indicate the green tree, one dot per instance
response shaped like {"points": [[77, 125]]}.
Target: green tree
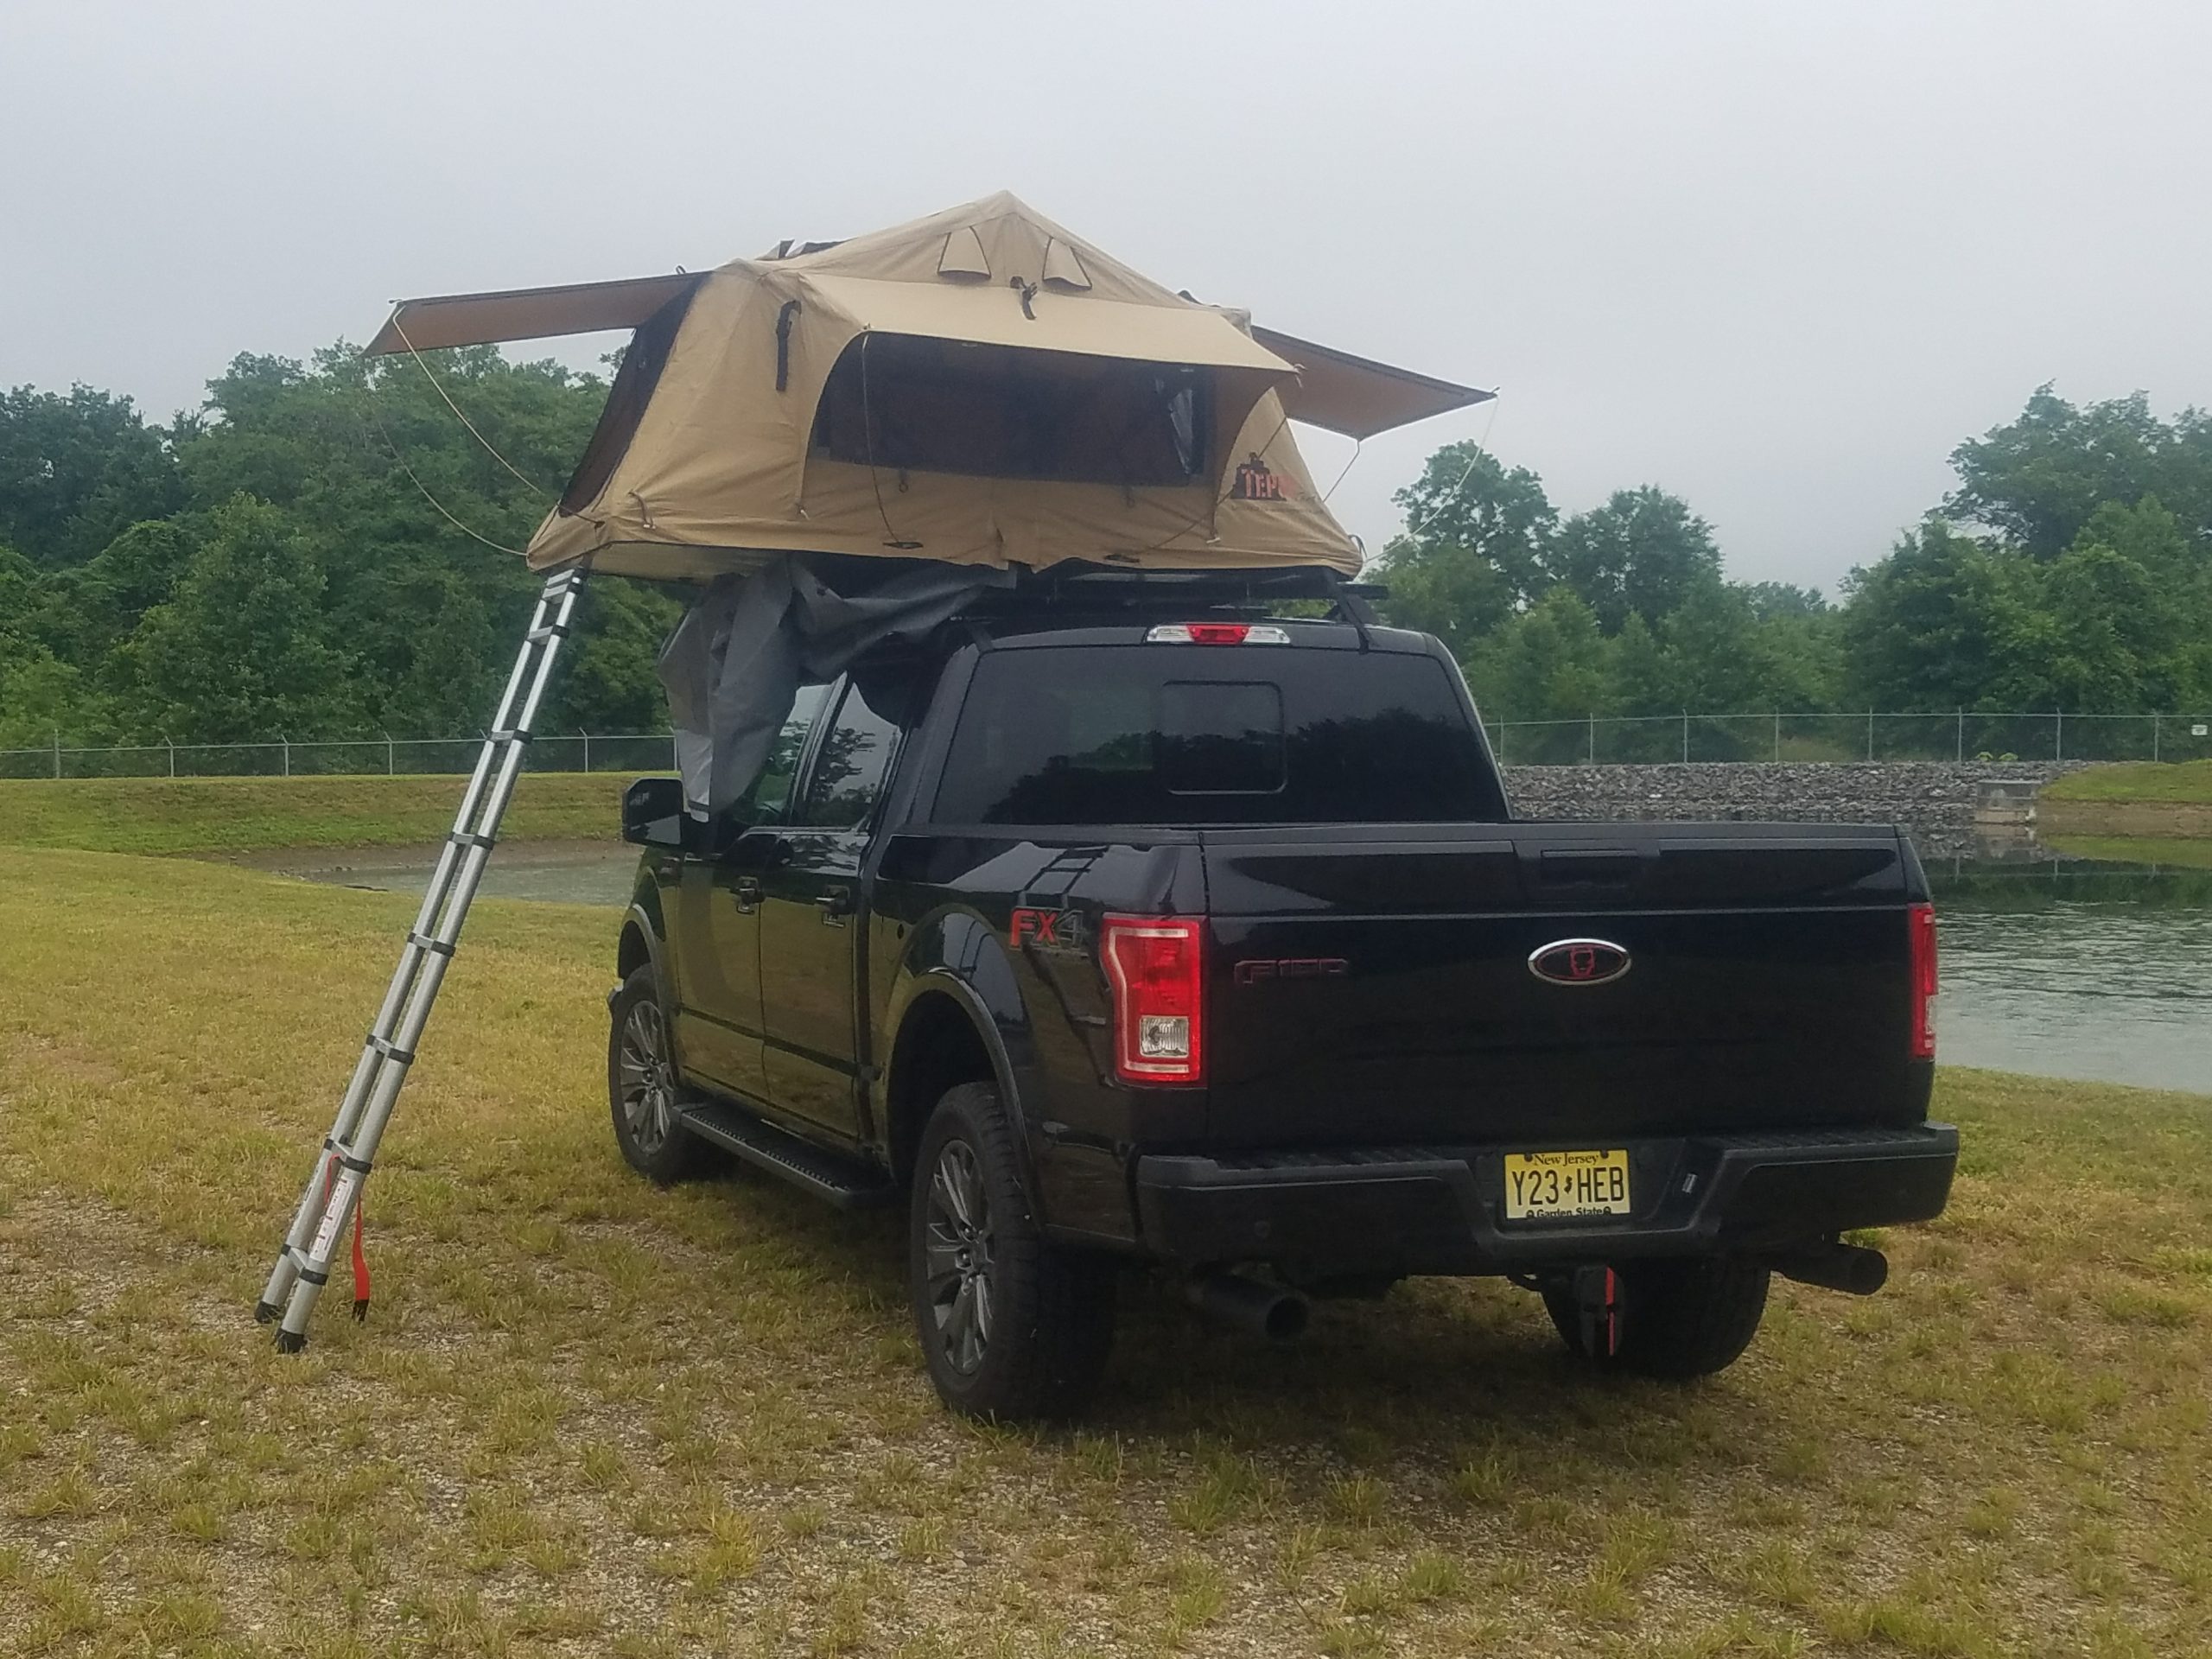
{"points": [[244, 650], [2038, 480], [1642, 553], [1472, 549], [76, 470], [84, 611], [1548, 663], [1918, 631]]}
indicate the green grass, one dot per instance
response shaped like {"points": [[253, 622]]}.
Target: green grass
{"points": [[2179, 783], [2177, 852], [233, 814], [589, 1416]]}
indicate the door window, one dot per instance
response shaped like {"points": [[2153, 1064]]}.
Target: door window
{"points": [[771, 790], [854, 760]]}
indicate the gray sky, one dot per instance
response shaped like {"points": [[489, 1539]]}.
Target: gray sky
{"points": [[1777, 257]]}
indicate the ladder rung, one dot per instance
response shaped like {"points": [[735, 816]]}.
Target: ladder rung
{"points": [[424, 942], [550, 630], [511, 735], [470, 838], [391, 1051]]}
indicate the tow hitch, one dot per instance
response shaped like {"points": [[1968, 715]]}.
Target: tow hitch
{"points": [[1597, 1297]]}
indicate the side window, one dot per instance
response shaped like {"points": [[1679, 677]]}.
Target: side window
{"points": [[771, 790], [854, 760]]}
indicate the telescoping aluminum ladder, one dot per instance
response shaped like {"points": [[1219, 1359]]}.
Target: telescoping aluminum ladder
{"points": [[333, 1189]]}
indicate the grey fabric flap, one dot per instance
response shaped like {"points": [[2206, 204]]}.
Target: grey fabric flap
{"points": [[736, 662]]}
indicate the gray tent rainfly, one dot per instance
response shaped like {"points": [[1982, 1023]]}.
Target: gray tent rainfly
{"points": [[975, 392]]}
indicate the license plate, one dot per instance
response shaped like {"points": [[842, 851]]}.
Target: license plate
{"points": [[1540, 1184]]}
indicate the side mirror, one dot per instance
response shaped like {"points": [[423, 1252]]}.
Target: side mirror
{"points": [[653, 814]]}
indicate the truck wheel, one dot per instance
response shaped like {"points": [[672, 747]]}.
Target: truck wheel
{"points": [[1012, 1327], [641, 1087], [1678, 1318]]}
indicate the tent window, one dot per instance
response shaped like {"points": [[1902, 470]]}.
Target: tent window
{"points": [[998, 411], [642, 362]]}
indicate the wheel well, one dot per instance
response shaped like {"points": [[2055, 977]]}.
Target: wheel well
{"points": [[633, 953], [937, 1049]]}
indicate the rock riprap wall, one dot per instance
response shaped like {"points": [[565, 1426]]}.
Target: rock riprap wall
{"points": [[1930, 796]]}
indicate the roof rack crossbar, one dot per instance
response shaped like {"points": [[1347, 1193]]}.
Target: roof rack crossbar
{"points": [[1092, 588]]}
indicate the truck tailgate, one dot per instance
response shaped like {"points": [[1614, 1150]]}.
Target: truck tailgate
{"points": [[1373, 985]]}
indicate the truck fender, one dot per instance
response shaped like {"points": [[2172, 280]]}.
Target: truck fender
{"points": [[957, 958], [643, 941]]}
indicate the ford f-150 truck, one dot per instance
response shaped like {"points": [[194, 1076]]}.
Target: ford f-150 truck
{"points": [[1142, 923]]}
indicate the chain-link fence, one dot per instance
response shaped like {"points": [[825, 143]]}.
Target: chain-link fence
{"points": [[1601, 740], [631, 752], [1596, 740]]}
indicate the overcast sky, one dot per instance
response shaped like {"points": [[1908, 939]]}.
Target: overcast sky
{"points": [[1777, 257]]}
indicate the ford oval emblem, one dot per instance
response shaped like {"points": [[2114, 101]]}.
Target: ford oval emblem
{"points": [[1579, 962]]}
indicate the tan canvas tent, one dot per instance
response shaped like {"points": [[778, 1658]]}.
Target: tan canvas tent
{"points": [[978, 387]]}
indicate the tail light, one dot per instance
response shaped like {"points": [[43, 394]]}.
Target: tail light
{"points": [[1921, 919], [1153, 964]]}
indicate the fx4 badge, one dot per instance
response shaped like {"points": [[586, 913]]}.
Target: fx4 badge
{"points": [[1054, 929], [1579, 962]]}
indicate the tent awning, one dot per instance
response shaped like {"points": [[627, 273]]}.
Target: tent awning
{"points": [[526, 313], [1048, 321], [1335, 390], [1356, 395]]}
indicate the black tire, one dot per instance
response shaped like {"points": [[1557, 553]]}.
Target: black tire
{"points": [[1013, 1328], [1679, 1318], [641, 1085]]}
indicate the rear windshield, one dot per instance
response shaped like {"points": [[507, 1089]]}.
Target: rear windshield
{"points": [[1196, 734]]}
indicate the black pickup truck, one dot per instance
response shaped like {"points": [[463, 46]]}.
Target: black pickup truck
{"points": [[1145, 925]]}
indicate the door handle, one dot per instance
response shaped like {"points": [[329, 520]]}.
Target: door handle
{"points": [[836, 905], [747, 892]]}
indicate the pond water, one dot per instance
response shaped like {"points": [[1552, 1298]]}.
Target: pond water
{"points": [[2097, 969], [2068, 966]]}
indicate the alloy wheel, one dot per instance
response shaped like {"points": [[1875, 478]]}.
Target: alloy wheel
{"points": [[648, 1081], [958, 1253]]}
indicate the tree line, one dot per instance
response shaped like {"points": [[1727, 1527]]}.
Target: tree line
{"points": [[2070, 569], [319, 553]]}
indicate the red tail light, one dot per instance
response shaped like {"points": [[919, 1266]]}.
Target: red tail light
{"points": [[1921, 919], [1153, 964]]}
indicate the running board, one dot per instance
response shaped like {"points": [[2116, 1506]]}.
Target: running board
{"points": [[846, 1182]]}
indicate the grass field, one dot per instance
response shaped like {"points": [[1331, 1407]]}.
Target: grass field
{"points": [[2178, 783], [590, 1417], [219, 814]]}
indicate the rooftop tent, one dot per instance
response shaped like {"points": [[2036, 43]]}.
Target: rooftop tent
{"points": [[979, 387]]}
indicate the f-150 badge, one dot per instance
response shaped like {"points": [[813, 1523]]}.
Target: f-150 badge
{"points": [[1579, 962]]}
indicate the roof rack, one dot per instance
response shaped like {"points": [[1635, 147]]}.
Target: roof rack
{"points": [[1081, 588]]}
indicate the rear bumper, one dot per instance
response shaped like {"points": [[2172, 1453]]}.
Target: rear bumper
{"points": [[1440, 1210]]}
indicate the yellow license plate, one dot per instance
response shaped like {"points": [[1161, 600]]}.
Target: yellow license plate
{"points": [[1539, 1184]]}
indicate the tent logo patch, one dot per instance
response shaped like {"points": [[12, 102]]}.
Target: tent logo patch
{"points": [[1256, 481]]}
